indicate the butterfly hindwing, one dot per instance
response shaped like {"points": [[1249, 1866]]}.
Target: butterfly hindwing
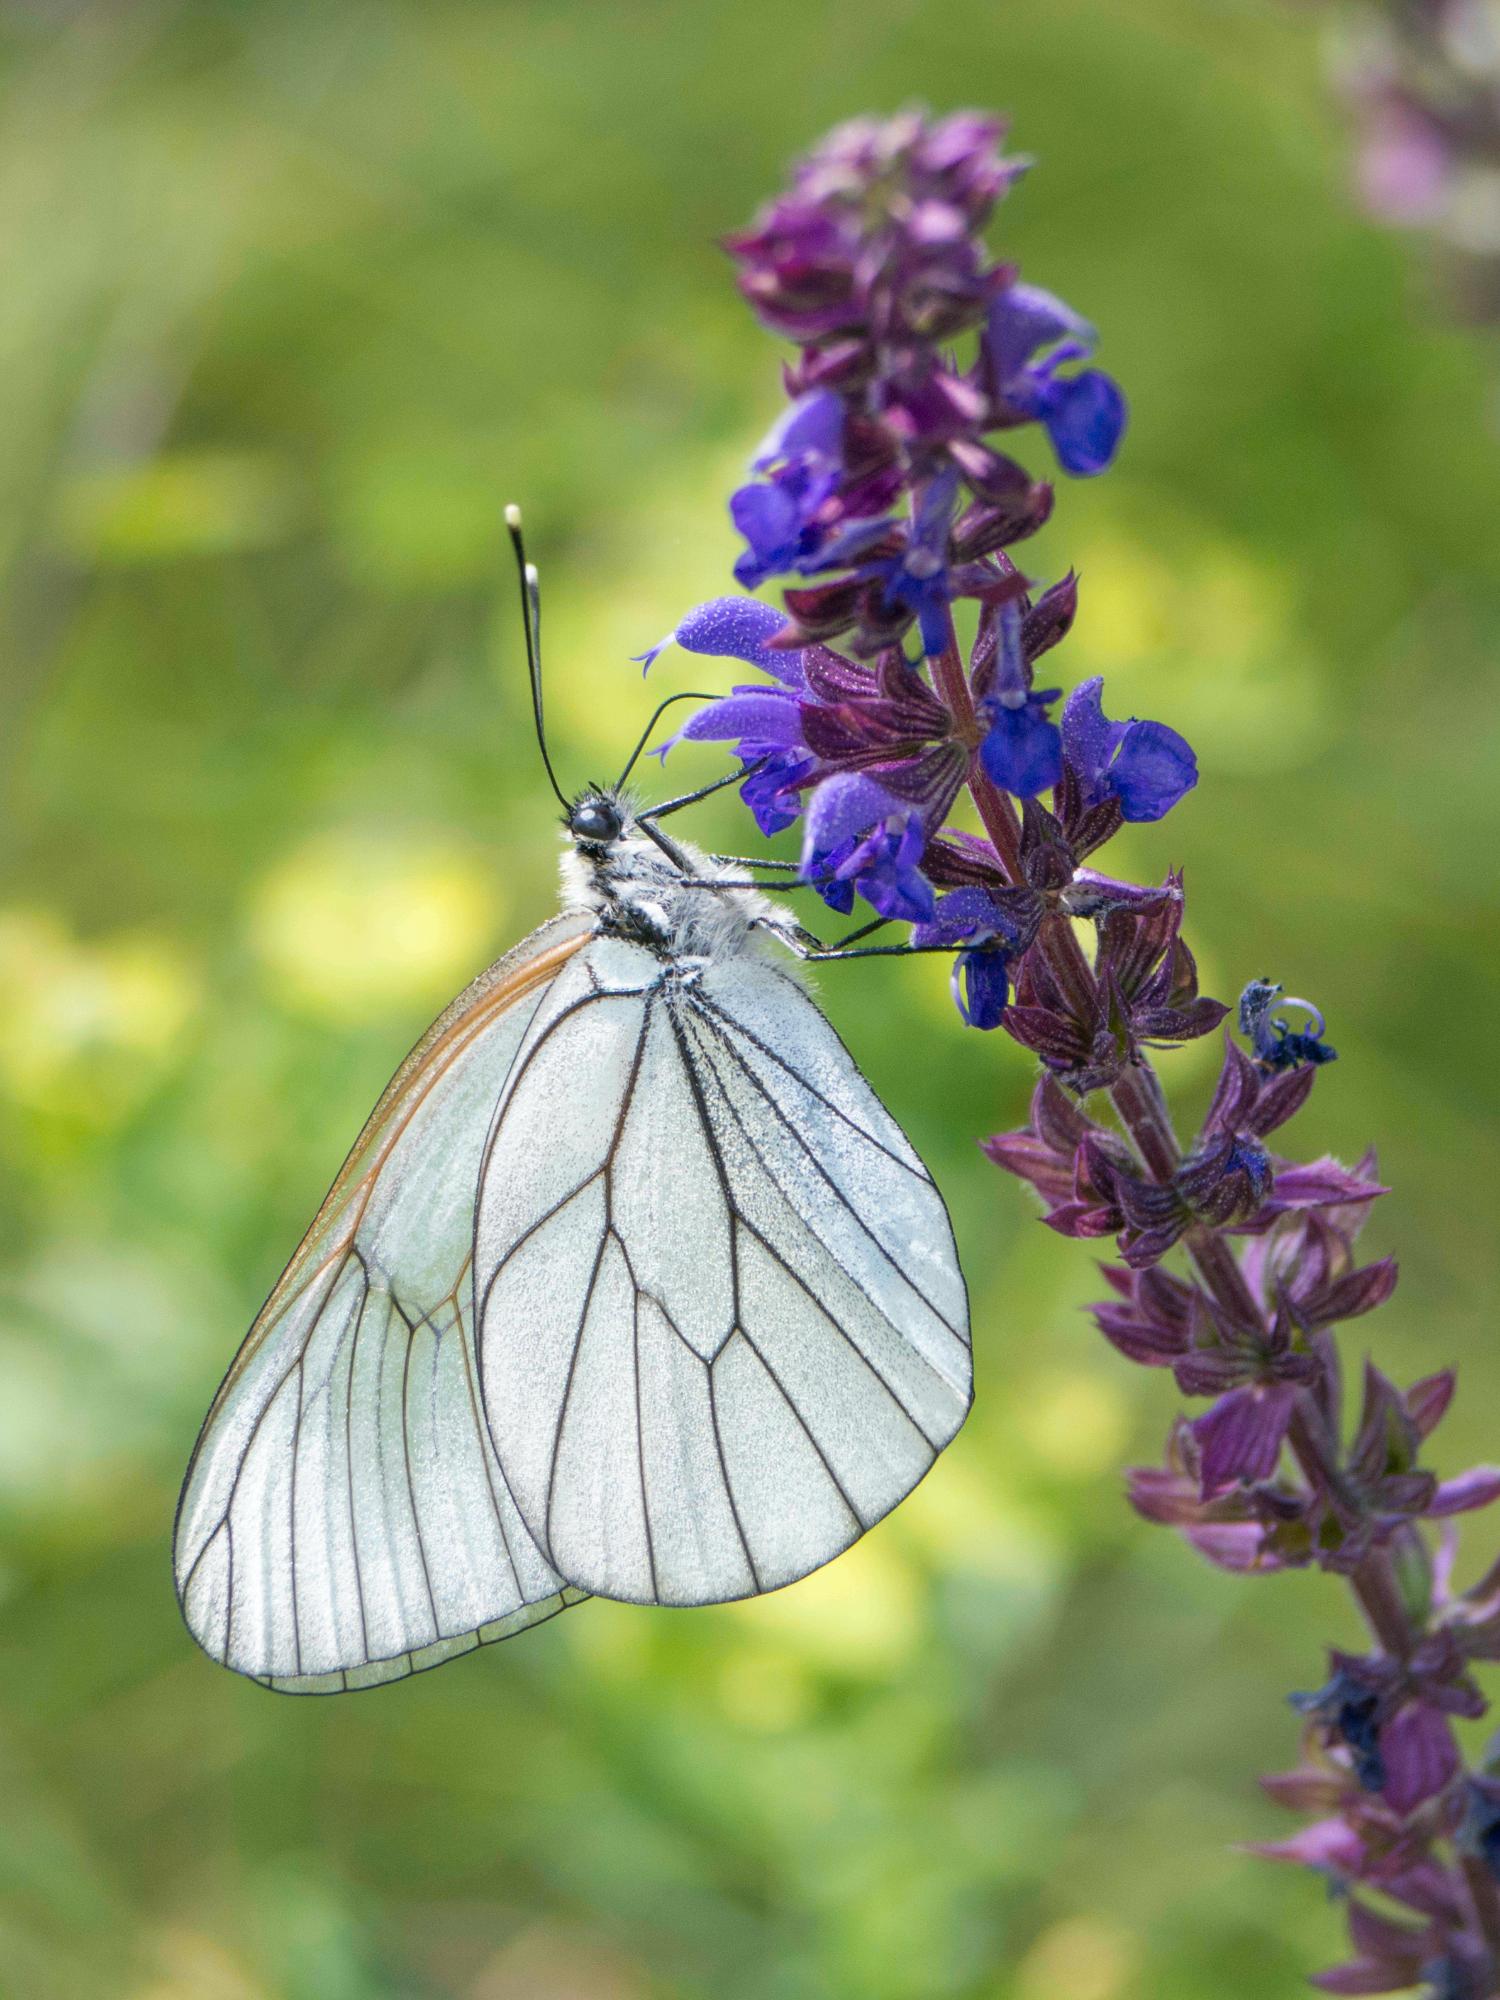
{"points": [[722, 1327]]}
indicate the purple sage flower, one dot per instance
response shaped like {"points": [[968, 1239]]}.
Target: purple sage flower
{"points": [[1022, 748], [1029, 337], [1145, 766]]}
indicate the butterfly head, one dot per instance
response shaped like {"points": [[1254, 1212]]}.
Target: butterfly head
{"points": [[596, 820], [620, 865]]}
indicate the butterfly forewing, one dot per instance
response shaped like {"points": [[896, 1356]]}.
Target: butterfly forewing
{"points": [[344, 1520], [722, 1326]]}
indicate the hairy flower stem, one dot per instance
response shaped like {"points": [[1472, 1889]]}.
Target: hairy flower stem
{"points": [[1138, 1100]]}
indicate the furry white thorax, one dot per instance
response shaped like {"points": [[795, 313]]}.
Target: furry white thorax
{"points": [[630, 884]]}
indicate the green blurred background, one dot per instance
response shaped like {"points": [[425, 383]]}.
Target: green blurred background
{"points": [[295, 297]]}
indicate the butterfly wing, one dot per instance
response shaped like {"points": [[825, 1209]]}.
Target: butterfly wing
{"points": [[344, 1521], [724, 1331]]}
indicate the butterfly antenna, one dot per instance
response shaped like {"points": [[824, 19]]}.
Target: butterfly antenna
{"points": [[689, 694], [531, 618]]}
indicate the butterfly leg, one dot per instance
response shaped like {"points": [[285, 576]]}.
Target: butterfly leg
{"points": [[801, 941], [703, 792], [827, 954], [813, 951]]}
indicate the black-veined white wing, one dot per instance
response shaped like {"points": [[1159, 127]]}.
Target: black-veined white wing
{"points": [[344, 1521], [722, 1328]]}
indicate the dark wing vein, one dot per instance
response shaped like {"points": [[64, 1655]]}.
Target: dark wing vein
{"points": [[291, 1508], [702, 1003], [411, 1490], [801, 1283], [606, 1236], [791, 1403], [640, 1435], [359, 1578], [528, 1232], [515, 1075], [487, 1457], [696, 1086], [821, 1171]]}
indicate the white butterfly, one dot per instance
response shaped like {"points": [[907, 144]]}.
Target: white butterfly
{"points": [[630, 1286]]}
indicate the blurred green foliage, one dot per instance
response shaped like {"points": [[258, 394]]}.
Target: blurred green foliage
{"points": [[296, 297]]}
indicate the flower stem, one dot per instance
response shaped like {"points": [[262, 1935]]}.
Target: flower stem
{"points": [[1143, 1112]]}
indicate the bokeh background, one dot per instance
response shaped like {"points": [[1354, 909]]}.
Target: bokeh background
{"points": [[295, 297]]}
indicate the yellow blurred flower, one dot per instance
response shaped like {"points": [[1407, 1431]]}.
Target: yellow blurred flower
{"points": [[763, 1690], [1087, 1958], [961, 1519], [86, 1026], [193, 1966], [355, 924], [1205, 638], [1074, 1422], [861, 1614], [184, 503]]}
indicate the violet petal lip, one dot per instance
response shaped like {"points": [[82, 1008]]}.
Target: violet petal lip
{"points": [[770, 720], [739, 628], [843, 805]]}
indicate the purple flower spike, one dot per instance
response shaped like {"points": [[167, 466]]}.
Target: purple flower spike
{"points": [[794, 520], [1349, 1709], [1331, 1846], [1022, 751], [1022, 320], [1478, 1487], [872, 262], [1144, 765], [883, 501], [777, 521], [1084, 415], [773, 791], [1277, 1045], [761, 716], [916, 580], [981, 985], [1479, 1833], [764, 723]]}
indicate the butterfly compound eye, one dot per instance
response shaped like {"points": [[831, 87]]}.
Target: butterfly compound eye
{"points": [[594, 820]]}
